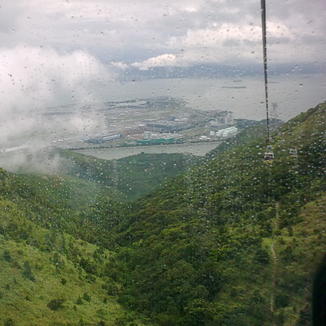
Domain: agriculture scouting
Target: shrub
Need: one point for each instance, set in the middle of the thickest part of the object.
(9, 322)
(261, 256)
(56, 304)
(101, 323)
(27, 271)
(7, 256)
(86, 297)
(79, 301)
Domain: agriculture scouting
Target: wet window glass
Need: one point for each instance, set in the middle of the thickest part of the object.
(162, 163)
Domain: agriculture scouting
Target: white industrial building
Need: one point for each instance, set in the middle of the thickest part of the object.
(227, 132)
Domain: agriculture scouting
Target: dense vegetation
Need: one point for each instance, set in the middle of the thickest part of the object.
(132, 176)
(232, 241)
(48, 277)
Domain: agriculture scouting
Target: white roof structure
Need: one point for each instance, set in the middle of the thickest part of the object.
(227, 132)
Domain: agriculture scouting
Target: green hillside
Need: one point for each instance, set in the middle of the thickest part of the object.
(230, 241)
(133, 176)
(48, 277)
(234, 241)
(57, 202)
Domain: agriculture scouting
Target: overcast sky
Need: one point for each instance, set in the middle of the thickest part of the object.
(148, 33)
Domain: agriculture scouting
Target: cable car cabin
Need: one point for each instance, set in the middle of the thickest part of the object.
(293, 152)
(269, 154)
(269, 157)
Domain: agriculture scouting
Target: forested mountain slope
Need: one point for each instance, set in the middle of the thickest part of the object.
(235, 241)
(57, 202)
(133, 176)
(47, 276)
(232, 241)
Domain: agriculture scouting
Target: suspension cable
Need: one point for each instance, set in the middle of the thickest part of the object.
(263, 23)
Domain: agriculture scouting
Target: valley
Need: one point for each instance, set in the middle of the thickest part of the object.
(169, 239)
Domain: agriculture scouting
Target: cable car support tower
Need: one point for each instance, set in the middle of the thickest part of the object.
(269, 155)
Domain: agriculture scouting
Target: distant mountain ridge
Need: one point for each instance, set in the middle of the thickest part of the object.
(211, 70)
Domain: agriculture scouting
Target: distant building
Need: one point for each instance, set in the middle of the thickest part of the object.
(227, 132)
(204, 138)
(167, 126)
(221, 119)
(147, 135)
(157, 141)
(134, 130)
(103, 139)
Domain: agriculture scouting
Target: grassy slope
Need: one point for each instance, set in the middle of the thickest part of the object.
(220, 244)
(57, 202)
(298, 256)
(39, 264)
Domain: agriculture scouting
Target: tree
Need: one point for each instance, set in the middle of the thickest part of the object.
(56, 304)
(27, 271)
(7, 256)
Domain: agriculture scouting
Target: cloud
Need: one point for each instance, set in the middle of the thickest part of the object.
(119, 65)
(34, 82)
(163, 60)
(225, 44)
(232, 44)
(214, 37)
(134, 31)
